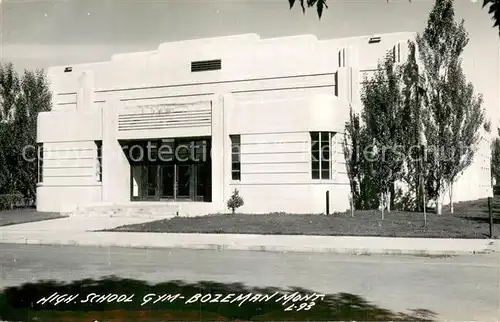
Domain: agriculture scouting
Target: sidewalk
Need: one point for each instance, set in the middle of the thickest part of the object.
(75, 231)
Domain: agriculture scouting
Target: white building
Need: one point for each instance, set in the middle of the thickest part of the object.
(264, 99)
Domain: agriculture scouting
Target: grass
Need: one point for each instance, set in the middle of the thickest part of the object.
(25, 215)
(469, 221)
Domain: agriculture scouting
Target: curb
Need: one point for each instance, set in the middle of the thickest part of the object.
(235, 246)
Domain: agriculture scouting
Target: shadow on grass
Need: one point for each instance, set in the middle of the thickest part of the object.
(86, 300)
(482, 220)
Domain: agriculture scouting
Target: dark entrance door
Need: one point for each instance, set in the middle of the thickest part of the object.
(181, 179)
(184, 176)
(167, 181)
(152, 191)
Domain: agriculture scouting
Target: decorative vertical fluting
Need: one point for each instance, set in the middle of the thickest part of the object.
(218, 151)
(85, 95)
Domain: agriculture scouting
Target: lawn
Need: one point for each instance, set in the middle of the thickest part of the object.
(470, 220)
(25, 215)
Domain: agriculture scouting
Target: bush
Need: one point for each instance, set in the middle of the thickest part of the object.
(235, 201)
(9, 201)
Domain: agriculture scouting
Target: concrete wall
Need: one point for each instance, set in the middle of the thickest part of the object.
(267, 91)
(69, 176)
(276, 154)
(70, 159)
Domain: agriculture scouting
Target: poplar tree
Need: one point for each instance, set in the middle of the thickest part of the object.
(453, 114)
(21, 99)
(382, 116)
(495, 161)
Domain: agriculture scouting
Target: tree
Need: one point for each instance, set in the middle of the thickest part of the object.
(382, 115)
(495, 161)
(453, 114)
(494, 8)
(411, 119)
(235, 201)
(9, 95)
(364, 193)
(351, 148)
(21, 99)
(494, 11)
(320, 5)
(35, 98)
(467, 119)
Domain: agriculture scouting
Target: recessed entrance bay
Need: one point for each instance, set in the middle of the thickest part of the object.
(170, 169)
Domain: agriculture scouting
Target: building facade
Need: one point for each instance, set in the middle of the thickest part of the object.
(192, 121)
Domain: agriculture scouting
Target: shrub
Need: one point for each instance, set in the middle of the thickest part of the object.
(235, 201)
(9, 201)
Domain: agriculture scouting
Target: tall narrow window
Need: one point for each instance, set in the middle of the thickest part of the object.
(321, 155)
(98, 145)
(40, 162)
(235, 157)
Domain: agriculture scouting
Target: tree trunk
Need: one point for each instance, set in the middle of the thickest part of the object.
(388, 201)
(420, 200)
(383, 205)
(392, 198)
(439, 204)
(451, 198)
(351, 204)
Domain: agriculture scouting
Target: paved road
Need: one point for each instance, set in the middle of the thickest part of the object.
(458, 288)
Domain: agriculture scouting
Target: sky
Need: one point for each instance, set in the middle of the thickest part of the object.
(43, 33)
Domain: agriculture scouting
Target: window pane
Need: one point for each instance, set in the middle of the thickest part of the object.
(325, 174)
(166, 151)
(182, 152)
(153, 152)
(314, 137)
(324, 137)
(315, 174)
(136, 152)
(40, 162)
(201, 150)
(325, 153)
(325, 165)
(235, 157)
(315, 156)
(315, 165)
(152, 180)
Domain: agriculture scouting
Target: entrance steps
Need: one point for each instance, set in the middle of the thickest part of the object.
(128, 210)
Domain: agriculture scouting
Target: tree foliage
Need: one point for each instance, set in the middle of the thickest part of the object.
(494, 8)
(21, 99)
(425, 102)
(235, 201)
(453, 114)
(494, 11)
(495, 161)
(385, 122)
(320, 5)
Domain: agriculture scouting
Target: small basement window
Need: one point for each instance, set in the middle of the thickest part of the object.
(68, 69)
(206, 65)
